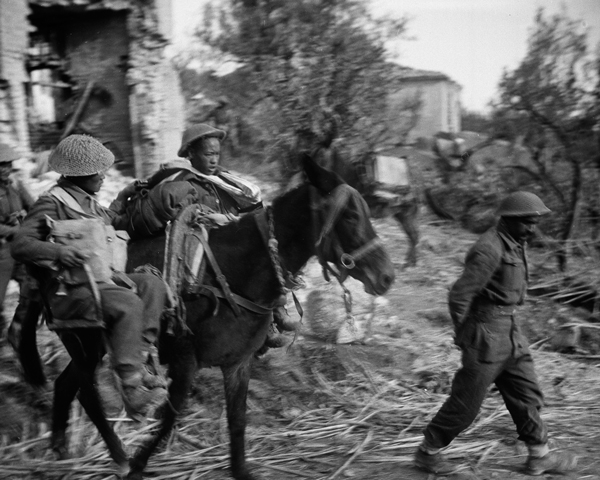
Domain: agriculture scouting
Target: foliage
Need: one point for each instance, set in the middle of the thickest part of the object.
(319, 67)
(475, 122)
(550, 104)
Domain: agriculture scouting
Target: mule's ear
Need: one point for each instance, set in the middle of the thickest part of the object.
(323, 179)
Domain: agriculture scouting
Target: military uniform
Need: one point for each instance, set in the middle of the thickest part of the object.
(210, 194)
(483, 306)
(131, 306)
(15, 200)
(128, 316)
(226, 195)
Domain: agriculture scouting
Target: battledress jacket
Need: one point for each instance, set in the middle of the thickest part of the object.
(14, 197)
(209, 194)
(30, 245)
(482, 301)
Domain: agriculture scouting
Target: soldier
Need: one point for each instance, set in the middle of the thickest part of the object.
(131, 305)
(483, 305)
(15, 201)
(201, 145)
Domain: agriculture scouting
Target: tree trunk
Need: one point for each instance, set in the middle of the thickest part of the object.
(572, 214)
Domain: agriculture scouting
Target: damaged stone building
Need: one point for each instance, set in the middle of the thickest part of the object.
(90, 66)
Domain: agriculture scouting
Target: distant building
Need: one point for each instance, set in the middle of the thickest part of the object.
(439, 98)
(90, 66)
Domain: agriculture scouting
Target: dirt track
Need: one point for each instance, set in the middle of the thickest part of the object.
(319, 410)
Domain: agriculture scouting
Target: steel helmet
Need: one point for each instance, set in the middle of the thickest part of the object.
(80, 155)
(195, 132)
(522, 204)
(7, 154)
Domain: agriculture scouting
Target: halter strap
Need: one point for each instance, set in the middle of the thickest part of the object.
(339, 196)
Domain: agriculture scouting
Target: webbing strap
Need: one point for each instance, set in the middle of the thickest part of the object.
(63, 196)
(219, 275)
(241, 301)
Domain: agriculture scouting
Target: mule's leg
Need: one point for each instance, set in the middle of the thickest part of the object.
(406, 215)
(65, 389)
(236, 378)
(86, 349)
(181, 371)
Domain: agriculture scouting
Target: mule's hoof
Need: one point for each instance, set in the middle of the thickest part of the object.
(244, 474)
(134, 475)
(61, 453)
(123, 469)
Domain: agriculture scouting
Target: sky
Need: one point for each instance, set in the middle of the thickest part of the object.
(471, 41)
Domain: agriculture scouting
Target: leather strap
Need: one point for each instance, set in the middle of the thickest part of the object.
(220, 277)
(241, 301)
(63, 196)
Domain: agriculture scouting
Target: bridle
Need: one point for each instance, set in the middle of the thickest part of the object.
(326, 239)
(324, 234)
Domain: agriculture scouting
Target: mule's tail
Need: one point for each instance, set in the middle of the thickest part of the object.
(27, 349)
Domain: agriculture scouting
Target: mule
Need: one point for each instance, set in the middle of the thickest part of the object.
(402, 203)
(323, 217)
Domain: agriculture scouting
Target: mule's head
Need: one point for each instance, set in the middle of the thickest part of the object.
(344, 235)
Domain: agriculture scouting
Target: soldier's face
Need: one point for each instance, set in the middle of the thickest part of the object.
(90, 183)
(521, 229)
(205, 154)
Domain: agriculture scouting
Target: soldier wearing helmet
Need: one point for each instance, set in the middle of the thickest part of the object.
(483, 305)
(130, 305)
(225, 194)
(15, 201)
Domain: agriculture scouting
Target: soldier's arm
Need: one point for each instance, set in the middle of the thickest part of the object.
(481, 263)
(29, 244)
(26, 196)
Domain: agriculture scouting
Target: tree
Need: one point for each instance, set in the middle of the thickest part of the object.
(319, 67)
(475, 122)
(551, 104)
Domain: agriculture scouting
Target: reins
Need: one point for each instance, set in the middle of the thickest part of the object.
(266, 227)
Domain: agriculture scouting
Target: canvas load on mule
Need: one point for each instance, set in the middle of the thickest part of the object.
(154, 205)
(164, 195)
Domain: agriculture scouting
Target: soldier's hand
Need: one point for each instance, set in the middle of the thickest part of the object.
(8, 232)
(128, 191)
(218, 218)
(70, 256)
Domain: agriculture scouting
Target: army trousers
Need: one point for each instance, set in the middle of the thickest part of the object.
(515, 378)
(132, 319)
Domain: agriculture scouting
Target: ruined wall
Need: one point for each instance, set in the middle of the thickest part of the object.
(13, 46)
(136, 107)
(156, 102)
(96, 49)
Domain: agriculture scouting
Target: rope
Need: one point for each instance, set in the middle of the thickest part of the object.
(286, 281)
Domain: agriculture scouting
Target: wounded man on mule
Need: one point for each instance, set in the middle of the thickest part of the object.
(152, 206)
(69, 243)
